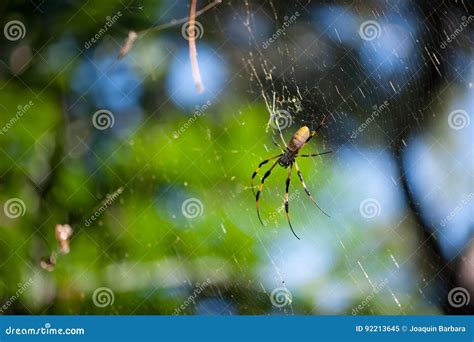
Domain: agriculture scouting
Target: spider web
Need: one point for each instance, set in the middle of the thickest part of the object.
(318, 65)
(393, 80)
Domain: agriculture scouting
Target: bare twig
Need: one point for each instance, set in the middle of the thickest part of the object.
(133, 36)
(180, 21)
(192, 48)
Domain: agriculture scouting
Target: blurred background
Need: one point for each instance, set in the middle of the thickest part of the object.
(126, 191)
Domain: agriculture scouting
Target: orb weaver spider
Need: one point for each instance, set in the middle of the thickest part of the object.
(287, 159)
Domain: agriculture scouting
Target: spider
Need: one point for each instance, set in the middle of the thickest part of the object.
(287, 159)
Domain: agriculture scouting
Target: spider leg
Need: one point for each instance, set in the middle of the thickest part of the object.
(277, 144)
(260, 188)
(321, 125)
(287, 209)
(258, 169)
(313, 155)
(300, 175)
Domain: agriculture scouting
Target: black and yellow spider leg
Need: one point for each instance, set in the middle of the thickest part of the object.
(300, 176)
(277, 144)
(260, 188)
(287, 206)
(259, 167)
(313, 133)
(313, 155)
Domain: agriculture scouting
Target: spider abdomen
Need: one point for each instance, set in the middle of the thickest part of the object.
(298, 139)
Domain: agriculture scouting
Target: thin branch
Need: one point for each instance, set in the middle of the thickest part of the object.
(133, 36)
(192, 33)
(180, 21)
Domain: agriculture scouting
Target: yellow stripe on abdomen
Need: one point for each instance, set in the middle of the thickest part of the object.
(299, 138)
